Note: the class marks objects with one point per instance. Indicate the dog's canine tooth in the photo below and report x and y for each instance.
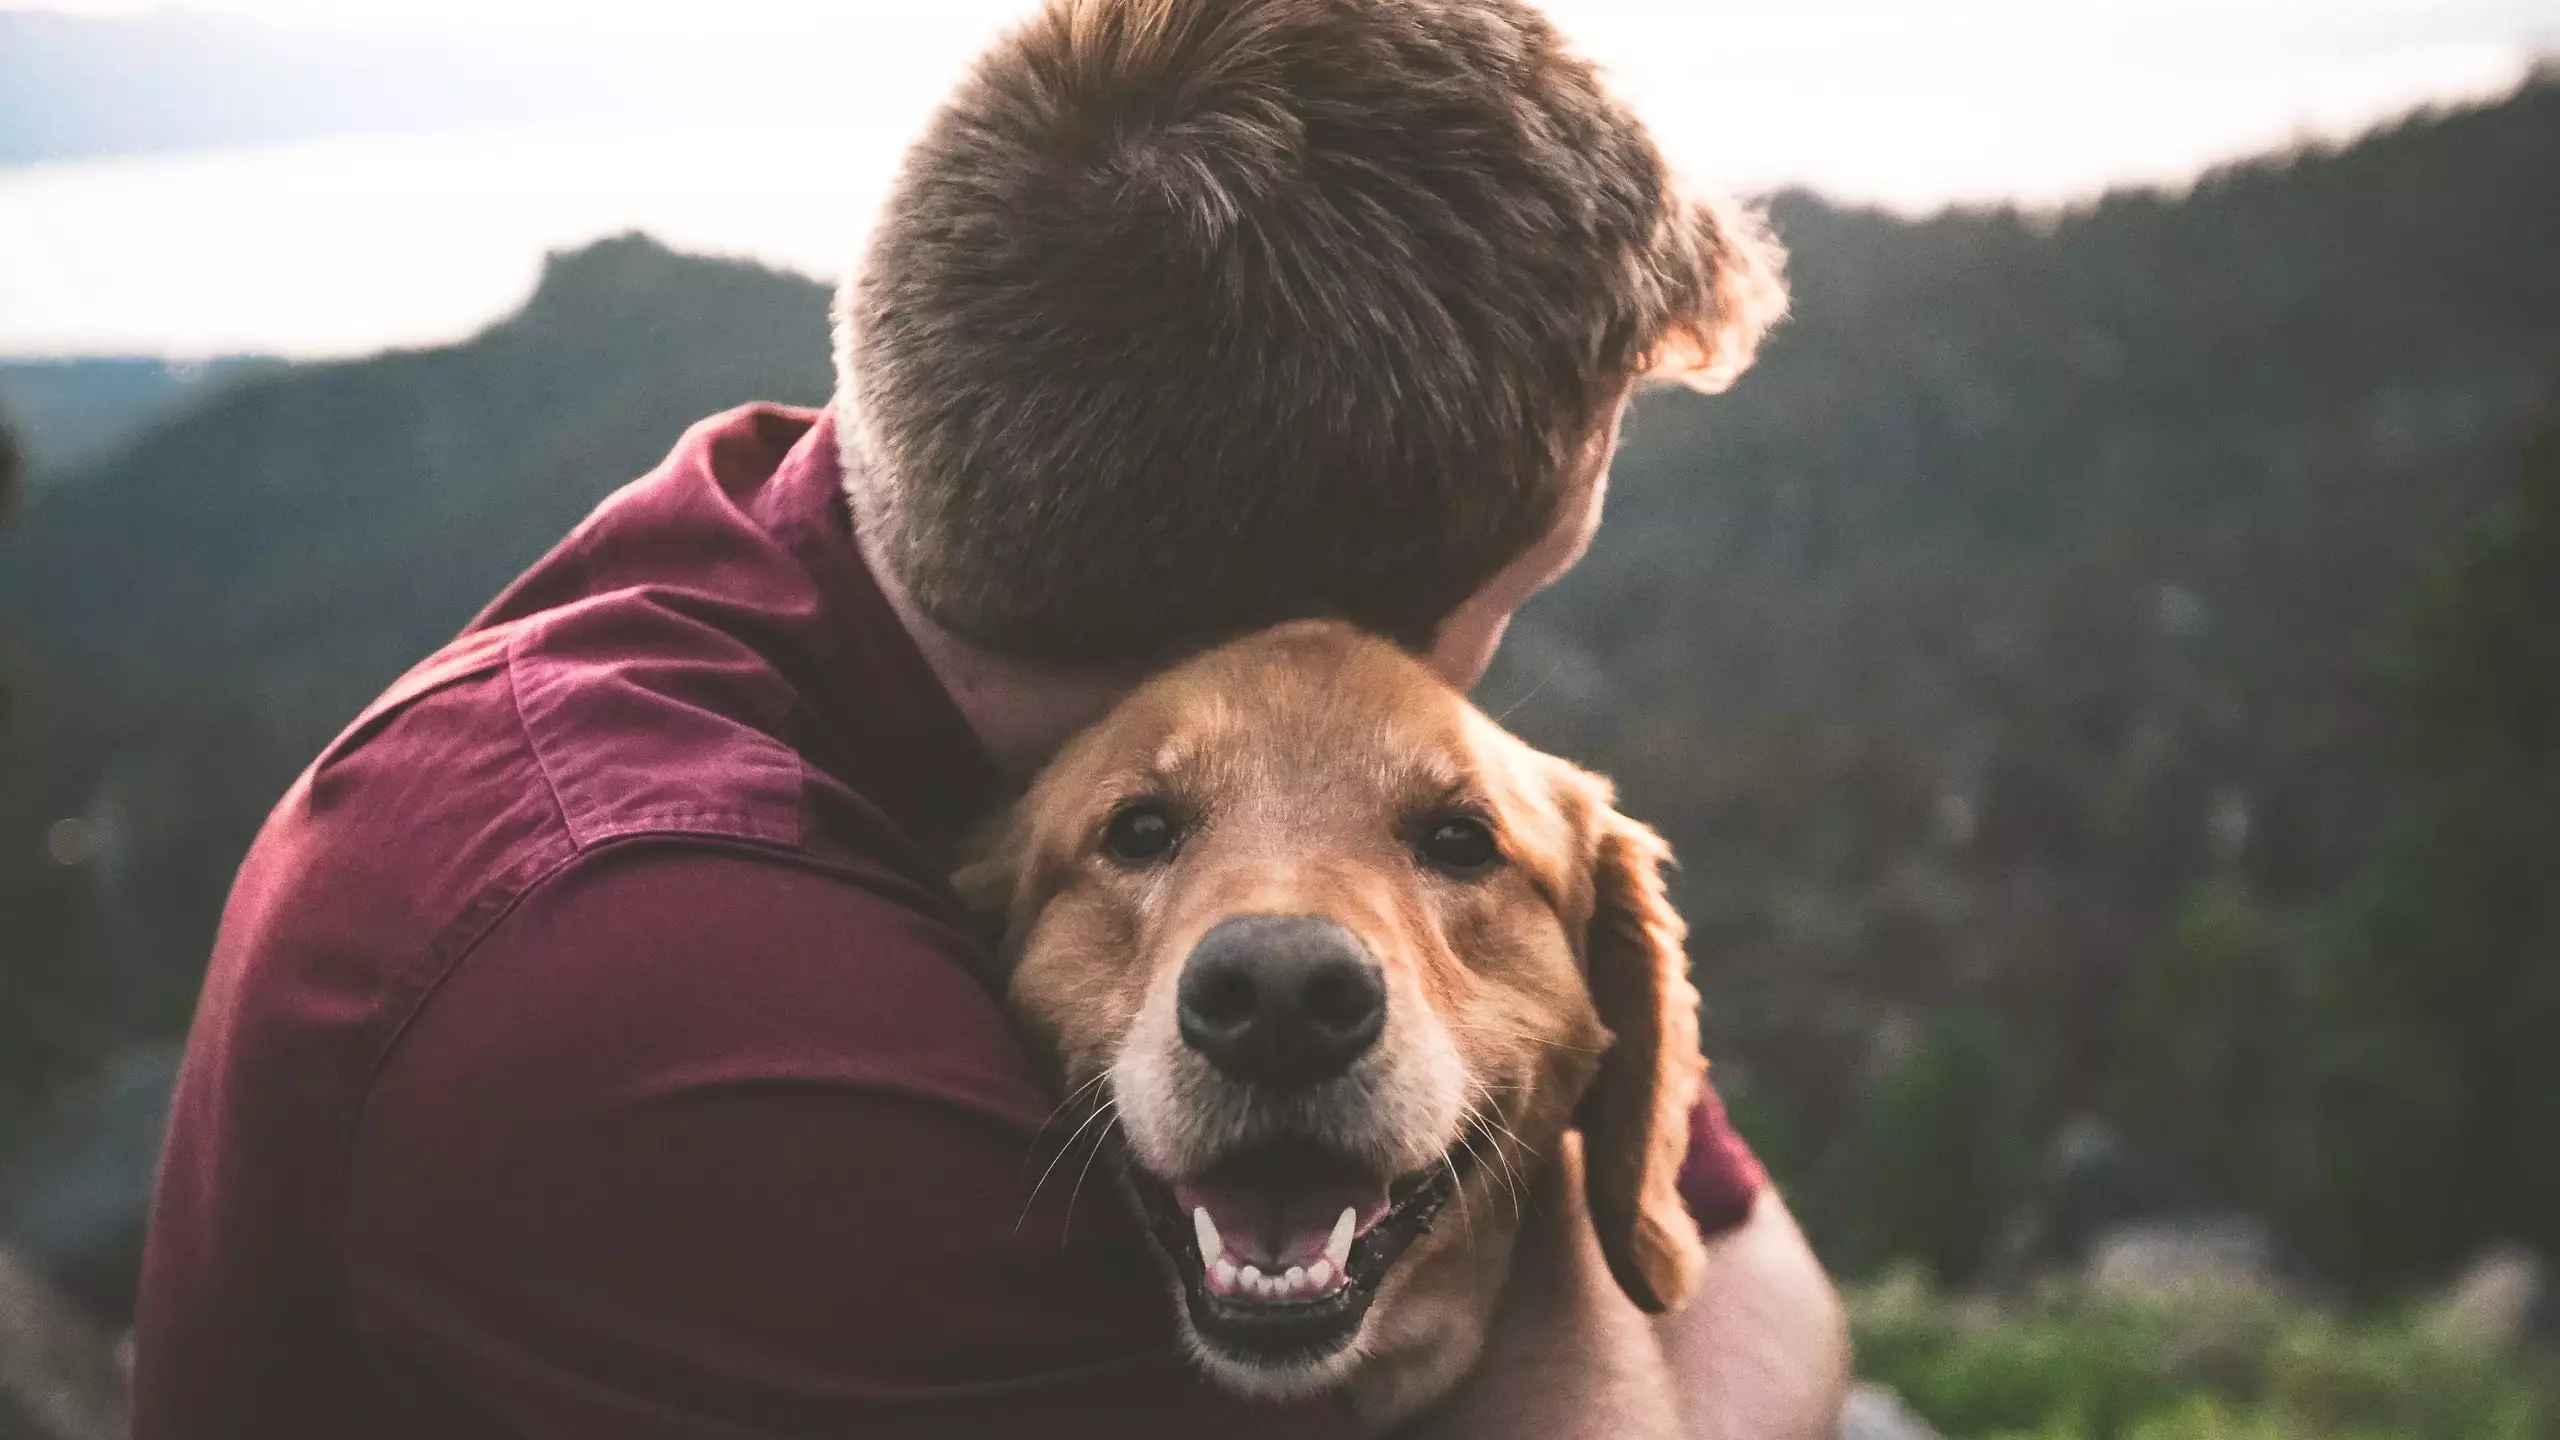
(1207, 1230)
(1337, 1248)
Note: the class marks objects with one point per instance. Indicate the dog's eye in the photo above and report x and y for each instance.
(1461, 844)
(1140, 833)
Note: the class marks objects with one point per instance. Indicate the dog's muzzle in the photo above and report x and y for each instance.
(1282, 1238)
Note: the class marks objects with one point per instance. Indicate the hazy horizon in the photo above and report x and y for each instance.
(344, 243)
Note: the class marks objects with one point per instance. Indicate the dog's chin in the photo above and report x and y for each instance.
(1293, 1329)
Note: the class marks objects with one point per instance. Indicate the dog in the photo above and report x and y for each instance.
(1343, 963)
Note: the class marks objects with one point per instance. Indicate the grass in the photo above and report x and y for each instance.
(2233, 1366)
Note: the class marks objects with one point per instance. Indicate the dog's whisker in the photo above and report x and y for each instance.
(1497, 1132)
(1522, 1035)
(1060, 1111)
(1457, 1186)
(1063, 1151)
(1503, 1179)
(1532, 694)
(1486, 1113)
(1101, 1138)
(1504, 1132)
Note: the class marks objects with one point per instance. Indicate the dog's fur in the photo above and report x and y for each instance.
(1547, 993)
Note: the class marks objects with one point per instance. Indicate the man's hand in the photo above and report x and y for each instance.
(1760, 1353)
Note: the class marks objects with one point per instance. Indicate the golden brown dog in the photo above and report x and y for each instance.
(1343, 961)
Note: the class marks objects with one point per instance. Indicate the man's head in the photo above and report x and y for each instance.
(1187, 317)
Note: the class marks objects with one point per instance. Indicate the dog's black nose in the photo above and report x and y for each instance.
(1281, 1000)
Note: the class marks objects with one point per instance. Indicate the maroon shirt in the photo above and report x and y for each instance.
(593, 1047)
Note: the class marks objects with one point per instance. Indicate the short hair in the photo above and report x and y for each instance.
(1187, 317)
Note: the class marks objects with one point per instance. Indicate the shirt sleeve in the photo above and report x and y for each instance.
(700, 1143)
(1720, 1178)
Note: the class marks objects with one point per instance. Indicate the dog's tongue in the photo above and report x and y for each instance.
(1278, 1211)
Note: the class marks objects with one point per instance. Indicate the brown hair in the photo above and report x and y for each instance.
(1186, 317)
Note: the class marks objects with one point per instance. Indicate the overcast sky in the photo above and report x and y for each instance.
(1908, 103)
(1913, 102)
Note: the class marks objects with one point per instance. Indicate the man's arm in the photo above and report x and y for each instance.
(708, 1143)
(1762, 1351)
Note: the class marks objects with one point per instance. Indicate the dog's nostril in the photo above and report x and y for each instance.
(1340, 998)
(1281, 1000)
(1224, 997)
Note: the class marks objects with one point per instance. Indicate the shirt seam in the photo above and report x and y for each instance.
(532, 747)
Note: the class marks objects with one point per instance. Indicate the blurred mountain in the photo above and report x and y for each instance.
(2026, 583)
(203, 609)
(70, 413)
(2030, 577)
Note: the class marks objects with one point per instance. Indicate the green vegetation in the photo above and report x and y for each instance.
(2004, 643)
(2200, 1043)
(2220, 1366)
(1943, 1151)
(2377, 1068)
(2436, 991)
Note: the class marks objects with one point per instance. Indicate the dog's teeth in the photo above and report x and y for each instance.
(1225, 1270)
(1338, 1248)
(1251, 1278)
(1296, 1279)
(1320, 1274)
(1207, 1230)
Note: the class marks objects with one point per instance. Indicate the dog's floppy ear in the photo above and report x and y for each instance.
(1635, 1116)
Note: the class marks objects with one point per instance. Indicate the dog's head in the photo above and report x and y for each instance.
(1343, 959)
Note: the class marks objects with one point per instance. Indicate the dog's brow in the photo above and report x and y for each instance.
(1433, 783)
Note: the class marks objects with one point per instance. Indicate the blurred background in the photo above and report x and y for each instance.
(2101, 671)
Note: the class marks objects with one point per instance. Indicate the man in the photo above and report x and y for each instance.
(593, 1047)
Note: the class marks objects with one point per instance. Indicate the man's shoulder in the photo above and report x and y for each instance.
(498, 768)
(521, 747)
(496, 761)
(672, 966)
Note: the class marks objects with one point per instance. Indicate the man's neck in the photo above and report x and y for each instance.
(1020, 713)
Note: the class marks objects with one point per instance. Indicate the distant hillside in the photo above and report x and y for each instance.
(2037, 554)
(70, 413)
(2027, 581)
(207, 606)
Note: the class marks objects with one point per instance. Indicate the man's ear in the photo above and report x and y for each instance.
(991, 880)
(1635, 1117)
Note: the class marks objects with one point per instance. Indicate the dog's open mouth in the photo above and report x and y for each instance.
(1281, 1246)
